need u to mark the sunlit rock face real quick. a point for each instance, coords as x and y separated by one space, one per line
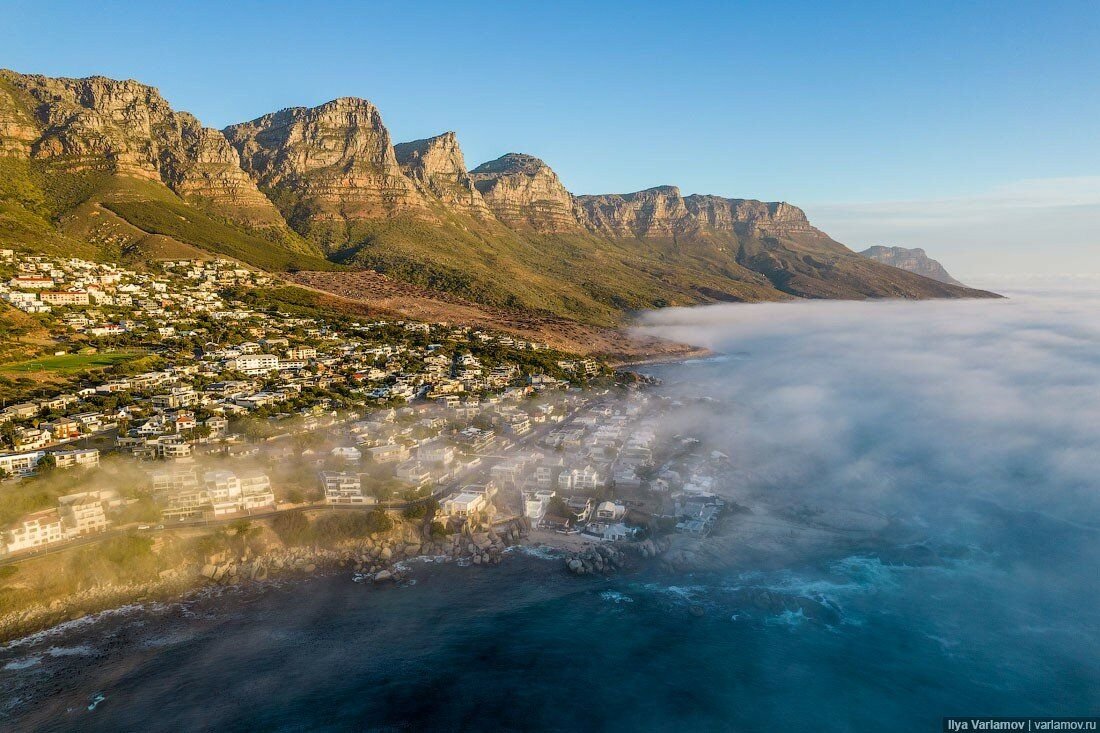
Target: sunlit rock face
527 194
129 129
436 164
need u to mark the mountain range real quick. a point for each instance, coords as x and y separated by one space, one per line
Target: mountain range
107 169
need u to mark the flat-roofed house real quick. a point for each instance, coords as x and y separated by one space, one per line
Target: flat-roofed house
83 513
343 487
34 530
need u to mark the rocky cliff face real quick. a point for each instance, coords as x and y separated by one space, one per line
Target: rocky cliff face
654 212
751 217
332 163
524 193
18 128
436 164
913 260
126 128
503 233
662 212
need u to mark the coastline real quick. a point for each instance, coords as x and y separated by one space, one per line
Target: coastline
377 560
757 537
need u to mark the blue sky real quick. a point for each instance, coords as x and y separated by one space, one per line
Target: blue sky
834 106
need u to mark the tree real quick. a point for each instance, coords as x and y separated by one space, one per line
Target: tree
559 508
292 527
243 534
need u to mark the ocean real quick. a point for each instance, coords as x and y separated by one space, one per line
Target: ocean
971 429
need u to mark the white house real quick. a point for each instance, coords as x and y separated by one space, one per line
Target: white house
388 453
535 505
20 464
413 472
610 511
224 491
34 530
347 453
86 457
256 491
83 513
342 487
464 503
436 452
254 363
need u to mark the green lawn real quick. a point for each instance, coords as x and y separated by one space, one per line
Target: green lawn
67 363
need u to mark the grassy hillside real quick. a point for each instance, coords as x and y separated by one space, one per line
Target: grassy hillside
96 215
579 276
33 197
187 224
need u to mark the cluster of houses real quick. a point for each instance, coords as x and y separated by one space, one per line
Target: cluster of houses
435 443
220 362
413 408
608 456
101 299
184 492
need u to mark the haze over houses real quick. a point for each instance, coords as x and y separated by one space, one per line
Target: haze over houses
189 366
233 403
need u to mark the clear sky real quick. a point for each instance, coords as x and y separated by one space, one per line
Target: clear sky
958 126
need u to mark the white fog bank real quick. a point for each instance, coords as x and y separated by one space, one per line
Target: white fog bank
885 403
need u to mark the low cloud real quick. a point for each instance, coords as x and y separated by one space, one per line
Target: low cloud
906 407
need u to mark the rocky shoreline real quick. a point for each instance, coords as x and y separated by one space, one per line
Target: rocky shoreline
607 558
379 558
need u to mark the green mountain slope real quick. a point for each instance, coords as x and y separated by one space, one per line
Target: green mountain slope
104 169
101 168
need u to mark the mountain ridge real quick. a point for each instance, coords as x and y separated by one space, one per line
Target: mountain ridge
303 187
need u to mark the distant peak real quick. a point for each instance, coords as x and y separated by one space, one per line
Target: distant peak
346 102
512 163
412 147
912 259
664 190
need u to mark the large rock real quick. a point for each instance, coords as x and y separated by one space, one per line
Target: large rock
127 128
329 166
913 260
436 164
525 193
